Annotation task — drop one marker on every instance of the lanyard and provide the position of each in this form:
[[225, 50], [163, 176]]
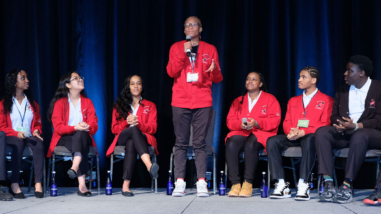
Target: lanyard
[[22, 117], [305, 108], [192, 60]]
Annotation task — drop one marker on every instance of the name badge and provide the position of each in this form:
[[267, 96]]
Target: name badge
[[25, 130], [192, 77], [303, 123]]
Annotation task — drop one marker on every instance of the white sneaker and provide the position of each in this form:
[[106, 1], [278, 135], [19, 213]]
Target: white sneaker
[[281, 190], [303, 193], [202, 189], [179, 190]]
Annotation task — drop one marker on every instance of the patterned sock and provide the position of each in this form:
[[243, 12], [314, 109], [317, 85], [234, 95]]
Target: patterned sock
[[347, 182], [327, 177]]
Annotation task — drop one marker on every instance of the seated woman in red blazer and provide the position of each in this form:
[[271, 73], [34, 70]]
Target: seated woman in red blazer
[[262, 112], [21, 121], [74, 121], [134, 122]]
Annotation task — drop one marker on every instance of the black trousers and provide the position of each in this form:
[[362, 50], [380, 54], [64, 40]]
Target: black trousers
[[18, 146], [79, 141], [135, 142], [359, 141], [250, 147], [277, 144], [182, 120], [3, 143]]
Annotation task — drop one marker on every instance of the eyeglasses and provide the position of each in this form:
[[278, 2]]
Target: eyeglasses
[[77, 78], [187, 25]]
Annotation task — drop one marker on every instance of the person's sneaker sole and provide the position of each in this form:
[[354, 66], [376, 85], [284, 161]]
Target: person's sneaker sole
[[324, 199], [233, 195], [370, 202], [302, 199], [244, 196], [279, 196], [178, 194], [6, 199], [342, 202], [202, 195]]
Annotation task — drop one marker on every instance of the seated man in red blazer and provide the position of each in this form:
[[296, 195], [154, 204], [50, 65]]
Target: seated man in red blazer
[[356, 118], [305, 113]]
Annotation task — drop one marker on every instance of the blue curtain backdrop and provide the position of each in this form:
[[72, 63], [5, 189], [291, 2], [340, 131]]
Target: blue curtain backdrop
[[109, 40]]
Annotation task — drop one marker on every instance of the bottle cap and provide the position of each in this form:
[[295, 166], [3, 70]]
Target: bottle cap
[[312, 173], [54, 172], [170, 171], [108, 171], [222, 171], [263, 173]]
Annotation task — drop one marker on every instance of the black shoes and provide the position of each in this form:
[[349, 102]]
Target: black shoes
[[343, 195], [328, 193], [374, 198], [84, 194], [5, 196], [16, 195], [38, 194], [153, 172], [127, 194], [72, 174]]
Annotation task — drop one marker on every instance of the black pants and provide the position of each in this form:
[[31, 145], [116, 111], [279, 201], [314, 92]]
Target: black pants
[[182, 120], [3, 144], [359, 141], [79, 141], [18, 146], [136, 143], [250, 147], [277, 144]]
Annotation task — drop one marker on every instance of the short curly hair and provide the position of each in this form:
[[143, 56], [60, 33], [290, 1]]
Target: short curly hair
[[363, 62], [314, 72]]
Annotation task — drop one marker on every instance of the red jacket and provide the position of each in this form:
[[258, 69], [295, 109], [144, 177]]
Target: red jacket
[[60, 120], [147, 119], [6, 123], [318, 113], [196, 94], [266, 111]]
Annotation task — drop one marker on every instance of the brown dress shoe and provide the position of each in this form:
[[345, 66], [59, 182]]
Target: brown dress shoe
[[247, 189], [234, 191]]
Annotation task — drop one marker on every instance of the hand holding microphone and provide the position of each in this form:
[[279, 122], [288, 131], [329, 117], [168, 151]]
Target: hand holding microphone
[[244, 123], [188, 46]]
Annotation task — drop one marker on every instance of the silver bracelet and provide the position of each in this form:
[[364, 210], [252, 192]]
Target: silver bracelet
[[357, 126]]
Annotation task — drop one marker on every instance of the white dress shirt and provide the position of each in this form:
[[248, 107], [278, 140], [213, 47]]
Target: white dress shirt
[[18, 111], [252, 103], [357, 100], [307, 99], [75, 113]]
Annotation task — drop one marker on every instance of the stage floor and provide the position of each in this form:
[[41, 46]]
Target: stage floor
[[146, 201]]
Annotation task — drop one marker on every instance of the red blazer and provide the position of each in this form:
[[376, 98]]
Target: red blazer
[[318, 113], [266, 111], [60, 120], [147, 119], [196, 94], [6, 123]]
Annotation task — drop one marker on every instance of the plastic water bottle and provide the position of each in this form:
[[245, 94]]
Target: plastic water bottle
[[322, 184], [222, 185], [169, 185], [312, 182], [108, 184], [263, 186], [53, 187]]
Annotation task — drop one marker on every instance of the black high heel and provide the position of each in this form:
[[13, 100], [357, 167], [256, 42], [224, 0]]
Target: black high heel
[[19, 195]]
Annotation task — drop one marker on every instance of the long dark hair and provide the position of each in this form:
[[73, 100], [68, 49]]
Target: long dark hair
[[10, 91], [62, 91], [124, 99], [263, 87]]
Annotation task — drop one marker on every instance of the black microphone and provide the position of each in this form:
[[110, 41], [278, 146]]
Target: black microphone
[[188, 38]]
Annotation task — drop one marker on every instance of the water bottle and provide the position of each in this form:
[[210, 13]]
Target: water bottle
[[312, 182], [53, 187], [170, 185], [322, 184], [108, 184], [263, 186], [222, 185]]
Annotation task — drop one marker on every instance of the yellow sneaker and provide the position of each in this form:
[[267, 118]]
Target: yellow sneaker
[[247, 189], [234, 191]]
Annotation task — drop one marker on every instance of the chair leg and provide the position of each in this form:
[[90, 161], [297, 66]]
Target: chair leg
[[44, 178], [49, 168], [294, 171], [171, 166], [156, 178], [91, 173], [214, 172], [98, 176], [111, 165], [334, 170], [378, 166], [318, 186], [152, 180], [226, 175], [30, 177], [268, 179]]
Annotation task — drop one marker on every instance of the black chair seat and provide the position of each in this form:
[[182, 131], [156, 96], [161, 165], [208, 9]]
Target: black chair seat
[[120, 150], [63, 151], [26, 153], [343, 153]]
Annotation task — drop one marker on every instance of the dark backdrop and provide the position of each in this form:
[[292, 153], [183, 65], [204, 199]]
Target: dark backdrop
[[107, 41]]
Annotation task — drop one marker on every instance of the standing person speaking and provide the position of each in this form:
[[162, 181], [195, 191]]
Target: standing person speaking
[[194, 66]]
